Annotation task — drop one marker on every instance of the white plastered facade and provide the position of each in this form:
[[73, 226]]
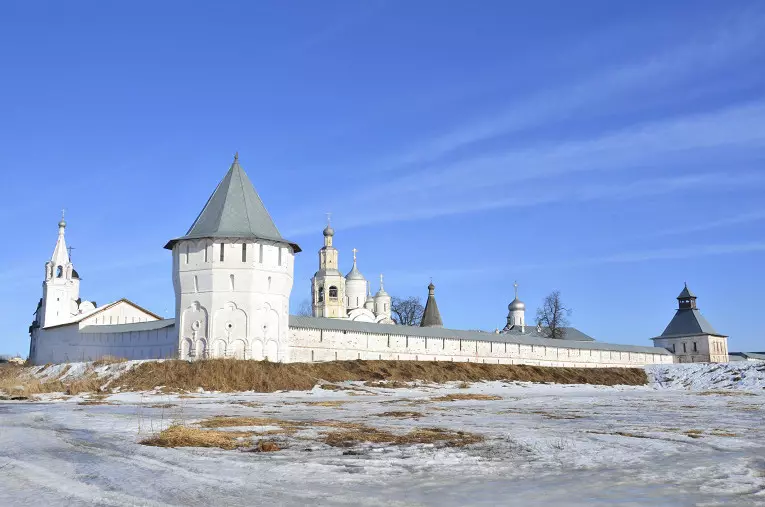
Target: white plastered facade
[[232, 299]]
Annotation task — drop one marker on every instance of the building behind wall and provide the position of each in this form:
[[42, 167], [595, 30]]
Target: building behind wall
[[690, 337], [233, 275]]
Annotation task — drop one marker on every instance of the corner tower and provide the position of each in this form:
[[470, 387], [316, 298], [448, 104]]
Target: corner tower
[[431, 317], [690, 337], [233, 274]]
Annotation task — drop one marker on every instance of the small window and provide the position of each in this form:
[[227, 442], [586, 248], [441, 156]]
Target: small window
[[695, 348], [321, 294], [187, 253], [205, 247], [280, 256], [674, 349], [222, 252], [244, 252], [59, 272], [333, 292], [684, 348], [260, 255], [231, 281]]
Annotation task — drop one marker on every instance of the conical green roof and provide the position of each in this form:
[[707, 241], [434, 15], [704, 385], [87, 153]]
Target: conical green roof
[[234, 210]]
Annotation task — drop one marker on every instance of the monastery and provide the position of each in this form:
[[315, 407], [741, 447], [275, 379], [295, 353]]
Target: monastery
[[233, 273]]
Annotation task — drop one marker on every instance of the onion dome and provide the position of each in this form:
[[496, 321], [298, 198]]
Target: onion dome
[[516, 305], [354, 273], [329, 231]]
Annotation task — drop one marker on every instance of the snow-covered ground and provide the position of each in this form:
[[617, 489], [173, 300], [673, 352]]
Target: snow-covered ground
[[670, 443]]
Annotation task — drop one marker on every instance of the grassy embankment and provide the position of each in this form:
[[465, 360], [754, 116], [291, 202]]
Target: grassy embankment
[[261, 376]]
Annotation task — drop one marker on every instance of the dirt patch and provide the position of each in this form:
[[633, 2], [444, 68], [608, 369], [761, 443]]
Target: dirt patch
[[108, 360], [162, 405], [184, 436], [463, 397]]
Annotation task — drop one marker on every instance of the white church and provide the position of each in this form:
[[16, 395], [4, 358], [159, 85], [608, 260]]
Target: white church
[[233, 273]]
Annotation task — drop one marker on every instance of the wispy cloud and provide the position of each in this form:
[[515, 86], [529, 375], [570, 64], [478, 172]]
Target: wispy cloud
[[734, 40], [515, 178], [706, 225]]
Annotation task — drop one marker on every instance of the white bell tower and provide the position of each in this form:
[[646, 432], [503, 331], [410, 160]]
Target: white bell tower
[[61, 287]]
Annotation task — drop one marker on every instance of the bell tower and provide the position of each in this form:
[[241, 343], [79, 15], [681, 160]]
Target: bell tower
[[328, 284], [61, 287]]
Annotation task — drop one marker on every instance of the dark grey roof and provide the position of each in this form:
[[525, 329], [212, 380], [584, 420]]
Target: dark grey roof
[[742, 356], [234, 210], [431, 317], [571, 334], [440, 332], [686, 293], [129, 327], [688, 321]]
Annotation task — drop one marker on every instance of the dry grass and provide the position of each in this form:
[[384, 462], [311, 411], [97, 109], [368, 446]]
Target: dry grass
[[17, 382], [184, 436], [401, 414], [108, 360], [360, 434], [726, 393], [463, 397], [329, 403], [261, 376]]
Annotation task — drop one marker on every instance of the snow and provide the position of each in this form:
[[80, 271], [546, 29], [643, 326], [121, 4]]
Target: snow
[[670, 443], [743, 375]]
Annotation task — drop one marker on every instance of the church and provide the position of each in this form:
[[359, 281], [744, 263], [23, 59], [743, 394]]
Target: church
[[232, 273]]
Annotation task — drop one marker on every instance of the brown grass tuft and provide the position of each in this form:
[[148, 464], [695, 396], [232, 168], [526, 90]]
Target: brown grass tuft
[[265, 446], [262, 376], [108, 360], [183, 436], [462, 397], [328, 403], [401, 414], [726, 393], [351, 436]]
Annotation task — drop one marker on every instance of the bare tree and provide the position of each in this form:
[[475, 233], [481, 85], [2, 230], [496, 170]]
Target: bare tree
[[552, 316], [407, 312], [305, 310]]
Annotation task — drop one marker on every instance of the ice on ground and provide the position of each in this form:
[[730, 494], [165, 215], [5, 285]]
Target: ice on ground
[[671, 443], [743, 375]]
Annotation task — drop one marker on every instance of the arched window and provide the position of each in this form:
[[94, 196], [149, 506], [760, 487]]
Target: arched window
[[59, 272], [333, 292], [321, 294]]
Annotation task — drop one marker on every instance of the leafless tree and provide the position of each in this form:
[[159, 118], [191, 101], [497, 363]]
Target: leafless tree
[[407, 312], [553, 316], [305, 310]]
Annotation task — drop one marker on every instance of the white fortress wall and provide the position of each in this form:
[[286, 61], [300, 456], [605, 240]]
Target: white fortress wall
[[77, 342], [336, 340]]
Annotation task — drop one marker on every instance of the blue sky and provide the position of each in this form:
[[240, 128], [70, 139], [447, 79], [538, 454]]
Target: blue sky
[[610, 150]]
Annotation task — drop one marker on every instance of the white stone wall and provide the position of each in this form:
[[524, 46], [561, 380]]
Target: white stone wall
[[308, 345], [234, 305], [72, 343]]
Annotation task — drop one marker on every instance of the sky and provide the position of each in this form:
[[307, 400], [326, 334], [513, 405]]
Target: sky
[[608, 150]]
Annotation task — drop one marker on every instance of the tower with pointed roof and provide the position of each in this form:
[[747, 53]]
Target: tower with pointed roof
[[431, 317], [61, 287], [233, 275], [690, 336]]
